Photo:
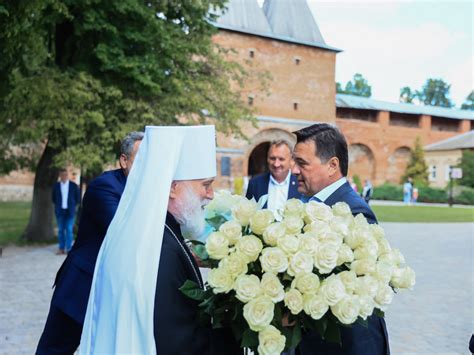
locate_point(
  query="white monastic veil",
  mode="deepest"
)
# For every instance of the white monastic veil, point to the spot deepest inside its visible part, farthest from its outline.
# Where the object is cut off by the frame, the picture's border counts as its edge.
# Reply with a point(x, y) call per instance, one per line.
point(119, 317)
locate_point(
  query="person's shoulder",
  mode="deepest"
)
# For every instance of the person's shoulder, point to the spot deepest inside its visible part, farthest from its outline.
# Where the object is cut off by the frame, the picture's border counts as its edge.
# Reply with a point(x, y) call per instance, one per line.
point(260, 178)
point(108, 178)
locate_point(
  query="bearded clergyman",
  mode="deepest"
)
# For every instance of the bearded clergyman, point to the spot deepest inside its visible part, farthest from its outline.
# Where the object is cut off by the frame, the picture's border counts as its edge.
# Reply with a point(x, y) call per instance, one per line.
point(135, 305)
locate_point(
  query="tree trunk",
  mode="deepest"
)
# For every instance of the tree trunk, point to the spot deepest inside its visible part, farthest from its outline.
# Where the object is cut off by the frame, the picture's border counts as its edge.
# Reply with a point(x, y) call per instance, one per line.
point(40, 226)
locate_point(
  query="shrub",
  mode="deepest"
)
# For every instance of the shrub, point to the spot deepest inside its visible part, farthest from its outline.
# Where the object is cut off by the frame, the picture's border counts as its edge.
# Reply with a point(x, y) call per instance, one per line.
point(432, 194)
point(466, 197)
point(388, 192)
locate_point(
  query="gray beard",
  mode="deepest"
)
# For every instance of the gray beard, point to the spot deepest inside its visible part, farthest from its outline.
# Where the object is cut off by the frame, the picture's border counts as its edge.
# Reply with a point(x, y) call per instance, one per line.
point(191, 215)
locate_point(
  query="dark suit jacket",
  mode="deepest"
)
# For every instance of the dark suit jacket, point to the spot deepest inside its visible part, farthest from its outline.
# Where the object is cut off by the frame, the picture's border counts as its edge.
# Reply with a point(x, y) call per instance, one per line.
point(258, 186)
point(356, 340)
point(74, 278)
point(73, 198)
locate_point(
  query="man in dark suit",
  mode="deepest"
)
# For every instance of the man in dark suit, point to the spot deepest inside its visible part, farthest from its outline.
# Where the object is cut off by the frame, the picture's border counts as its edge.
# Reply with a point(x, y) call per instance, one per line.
point(279, 184)
point(65, 198)
point(321, 164)
point(62, 332)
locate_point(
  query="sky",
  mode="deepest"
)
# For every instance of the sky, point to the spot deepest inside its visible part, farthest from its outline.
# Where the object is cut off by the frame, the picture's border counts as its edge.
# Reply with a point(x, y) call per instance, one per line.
point(401, 43)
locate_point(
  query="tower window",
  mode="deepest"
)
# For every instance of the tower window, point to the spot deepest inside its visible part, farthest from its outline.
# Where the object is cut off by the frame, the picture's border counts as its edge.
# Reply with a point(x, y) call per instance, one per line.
point(250, 100)
point(251, 53)
point(295, 106)
point(297, 60)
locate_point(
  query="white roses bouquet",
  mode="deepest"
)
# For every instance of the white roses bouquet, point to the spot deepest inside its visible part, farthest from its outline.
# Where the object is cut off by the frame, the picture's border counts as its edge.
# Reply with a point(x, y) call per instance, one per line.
point(319, 268)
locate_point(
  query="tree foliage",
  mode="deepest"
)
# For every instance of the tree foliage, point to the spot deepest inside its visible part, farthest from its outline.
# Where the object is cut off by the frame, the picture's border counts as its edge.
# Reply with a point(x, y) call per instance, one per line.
point(76, 75)
point(469, 102)
point(435, 92)
point(417, 168)
point(357, 87)
point(467, 166)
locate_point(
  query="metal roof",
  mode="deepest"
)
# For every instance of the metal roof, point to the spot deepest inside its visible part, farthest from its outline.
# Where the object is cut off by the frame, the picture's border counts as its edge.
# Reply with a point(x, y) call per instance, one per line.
point(282, 20)
point(461, 141)
point(292, 18)
point(365, 103)
point(245, 15)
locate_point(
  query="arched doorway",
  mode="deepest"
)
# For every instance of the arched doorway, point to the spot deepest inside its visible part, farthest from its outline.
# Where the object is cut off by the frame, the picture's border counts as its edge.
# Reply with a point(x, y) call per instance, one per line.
point(258, 159)
point(257, 152)
point(361, 162)
point(397, 163)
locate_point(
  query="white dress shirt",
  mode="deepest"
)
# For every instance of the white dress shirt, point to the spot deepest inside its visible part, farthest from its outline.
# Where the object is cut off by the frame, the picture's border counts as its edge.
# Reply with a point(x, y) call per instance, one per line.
point(324, 194)
point(64, 194)
point(278, 194)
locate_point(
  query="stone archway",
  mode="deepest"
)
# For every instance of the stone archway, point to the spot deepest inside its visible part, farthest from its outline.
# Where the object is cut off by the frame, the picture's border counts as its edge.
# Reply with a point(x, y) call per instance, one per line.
point(257, 152)
point(361, 162)
point(397, 163)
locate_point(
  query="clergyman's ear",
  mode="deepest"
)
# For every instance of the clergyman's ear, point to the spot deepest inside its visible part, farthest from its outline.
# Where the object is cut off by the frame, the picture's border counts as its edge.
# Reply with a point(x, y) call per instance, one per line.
point(173, 189)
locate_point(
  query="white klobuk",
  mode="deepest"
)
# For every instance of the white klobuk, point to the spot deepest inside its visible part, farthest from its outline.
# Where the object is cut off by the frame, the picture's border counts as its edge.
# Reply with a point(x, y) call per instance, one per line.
point(119, 317)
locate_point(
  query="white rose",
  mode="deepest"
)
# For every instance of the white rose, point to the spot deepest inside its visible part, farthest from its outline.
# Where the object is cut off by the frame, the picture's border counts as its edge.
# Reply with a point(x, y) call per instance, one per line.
point(232, 230)
point(340, 226)
point(325, 258)
point(341, 209)
point(289, 244)
point(293, 207)
point(306, 282)
point(300, 262)
point(244, 210)
point(315, 305)
point(273, 260)
point(220, 280)
point(270, 341)
point(247, 287)
point(344, 254)
point(259, 313)
point(377, 232)
point(332, 289)
point(330, 237)
point(317, 211)
point(349, 279)
point(294, 301)
point(346, 310)
point(260, 221)
point(367, 306)
point(317, 227)
point(293, 224)
point(308, 243)
point(272, 287)
point(222, 202)
point(366, 285)
point(235, 263)
point(383, 271)
point(273, 232)
point(217, 245)
point(384, 296)
point(250, 246)
point(394, 257)
point(368, 250)
point(384, 246)
point(403, 278)
point(363, 267)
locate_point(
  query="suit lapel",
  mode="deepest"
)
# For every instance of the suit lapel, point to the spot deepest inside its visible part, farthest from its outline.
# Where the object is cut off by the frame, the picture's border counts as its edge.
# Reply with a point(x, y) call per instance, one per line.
point(293, 189)
point(337, 196)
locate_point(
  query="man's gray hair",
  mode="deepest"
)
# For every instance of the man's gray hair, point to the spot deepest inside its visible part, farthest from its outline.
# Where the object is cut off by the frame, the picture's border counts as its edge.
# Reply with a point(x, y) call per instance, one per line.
point(279, 142)
point(126, 147)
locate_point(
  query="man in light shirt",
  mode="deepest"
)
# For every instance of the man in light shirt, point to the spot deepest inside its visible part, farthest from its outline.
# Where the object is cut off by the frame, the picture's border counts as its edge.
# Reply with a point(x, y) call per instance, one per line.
point(279, 184)
point(321, 164)
point(66, 197)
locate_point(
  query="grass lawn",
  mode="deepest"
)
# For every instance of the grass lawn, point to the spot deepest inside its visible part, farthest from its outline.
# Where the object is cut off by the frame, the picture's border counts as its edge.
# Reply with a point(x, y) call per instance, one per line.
point(13, 220)
point(425, 214)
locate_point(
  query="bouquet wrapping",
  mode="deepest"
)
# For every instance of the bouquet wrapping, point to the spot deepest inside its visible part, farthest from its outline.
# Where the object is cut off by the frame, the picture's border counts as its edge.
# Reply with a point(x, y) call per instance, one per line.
point(319, 268)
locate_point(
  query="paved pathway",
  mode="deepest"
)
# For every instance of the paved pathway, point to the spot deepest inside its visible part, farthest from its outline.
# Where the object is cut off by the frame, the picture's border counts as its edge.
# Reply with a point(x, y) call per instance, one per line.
point(435, 318)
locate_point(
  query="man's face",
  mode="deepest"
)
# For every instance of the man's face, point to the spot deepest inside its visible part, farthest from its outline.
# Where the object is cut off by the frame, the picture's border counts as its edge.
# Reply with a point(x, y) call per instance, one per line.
point(313, 175)
point(63, 176)
point(125, 162)
point(189, 199)
point(279, 161)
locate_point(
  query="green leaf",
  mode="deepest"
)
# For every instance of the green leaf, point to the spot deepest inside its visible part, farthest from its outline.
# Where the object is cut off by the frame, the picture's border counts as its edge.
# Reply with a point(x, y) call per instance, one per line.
point(321, 326)
point(192, 290)
point(363, 322)
point(295, 336)
point(333, 333)
point(201, 252)
point(216, 221)
point(249, 339)
point(379, 313)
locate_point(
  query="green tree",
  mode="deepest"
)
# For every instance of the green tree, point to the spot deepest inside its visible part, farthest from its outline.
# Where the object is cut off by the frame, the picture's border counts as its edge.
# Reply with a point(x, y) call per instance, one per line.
point(467, 166)
point(357, 87)
point(407, 95)
point(469, 103)
point(417, 168)
point(435, 92)
point(76, 75)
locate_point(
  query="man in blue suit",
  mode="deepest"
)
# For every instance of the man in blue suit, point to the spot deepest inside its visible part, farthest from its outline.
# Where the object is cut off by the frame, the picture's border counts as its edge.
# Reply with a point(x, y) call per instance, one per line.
point(321, 164)
point(279, 184)
point(66, 197)
point(62, 332)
